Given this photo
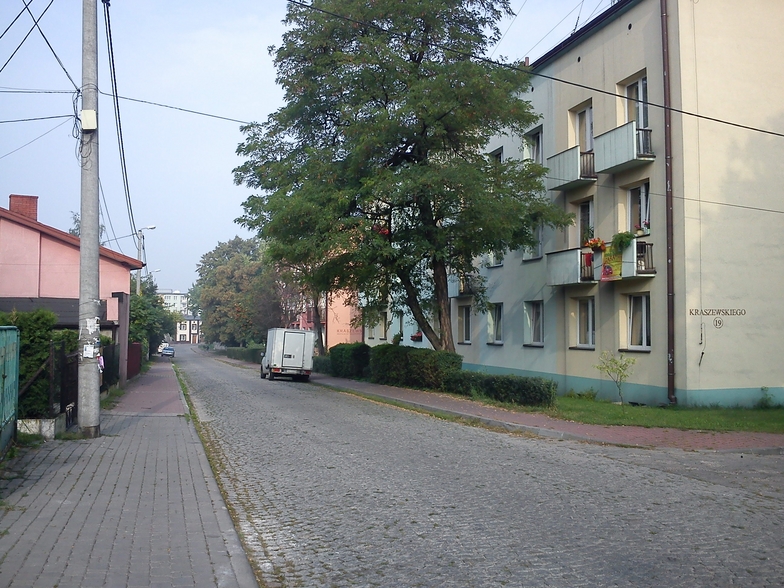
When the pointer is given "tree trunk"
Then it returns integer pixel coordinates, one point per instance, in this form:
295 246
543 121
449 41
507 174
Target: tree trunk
412 301
443 306
317 321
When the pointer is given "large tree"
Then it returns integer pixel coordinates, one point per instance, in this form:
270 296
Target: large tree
376 165
239 295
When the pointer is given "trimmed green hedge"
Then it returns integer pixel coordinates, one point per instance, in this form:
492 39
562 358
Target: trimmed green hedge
249 354
504 388
412 366
349 360
322 364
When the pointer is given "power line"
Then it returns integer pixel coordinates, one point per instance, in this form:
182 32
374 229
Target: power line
118 123
533 73
21 12
242 122
35 24
36 118
33 141
49 44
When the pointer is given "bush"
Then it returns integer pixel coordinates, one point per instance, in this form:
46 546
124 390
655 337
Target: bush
412 366
322 364
389 364
349 360
249 354
503 388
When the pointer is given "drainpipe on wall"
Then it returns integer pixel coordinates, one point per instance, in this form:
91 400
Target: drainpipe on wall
669 207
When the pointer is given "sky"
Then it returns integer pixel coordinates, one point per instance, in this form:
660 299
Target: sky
198 55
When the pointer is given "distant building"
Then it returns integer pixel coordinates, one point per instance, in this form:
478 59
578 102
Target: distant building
174 301
189 330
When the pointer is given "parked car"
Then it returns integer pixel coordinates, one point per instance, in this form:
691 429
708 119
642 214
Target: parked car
168 352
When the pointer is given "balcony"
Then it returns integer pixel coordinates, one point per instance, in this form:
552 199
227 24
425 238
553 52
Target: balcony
573 266
571 169
636 262
623 148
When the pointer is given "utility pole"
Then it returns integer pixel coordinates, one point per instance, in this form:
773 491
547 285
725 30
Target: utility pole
89 409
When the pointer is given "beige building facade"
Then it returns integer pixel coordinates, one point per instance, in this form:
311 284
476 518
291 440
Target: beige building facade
695 296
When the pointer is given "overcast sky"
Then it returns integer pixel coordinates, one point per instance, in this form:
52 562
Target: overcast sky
198 55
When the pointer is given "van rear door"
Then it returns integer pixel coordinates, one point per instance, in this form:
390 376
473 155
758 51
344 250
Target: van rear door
293 349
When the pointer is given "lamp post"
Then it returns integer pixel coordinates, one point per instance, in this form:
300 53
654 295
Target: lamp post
140 242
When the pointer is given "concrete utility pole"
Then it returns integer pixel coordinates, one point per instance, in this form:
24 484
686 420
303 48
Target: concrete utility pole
140 244
89 290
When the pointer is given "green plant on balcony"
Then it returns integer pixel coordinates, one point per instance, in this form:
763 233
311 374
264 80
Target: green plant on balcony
622 240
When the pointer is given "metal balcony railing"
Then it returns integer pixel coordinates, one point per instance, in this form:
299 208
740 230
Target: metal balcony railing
645 258
587 168
644 145
586 265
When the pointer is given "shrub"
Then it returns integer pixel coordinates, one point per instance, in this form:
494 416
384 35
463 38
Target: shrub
503 388
389 364
322 364
249 354
349 360
428 368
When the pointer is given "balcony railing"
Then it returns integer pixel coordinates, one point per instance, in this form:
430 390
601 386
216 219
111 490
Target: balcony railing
572 266
571 169
638 260
623 148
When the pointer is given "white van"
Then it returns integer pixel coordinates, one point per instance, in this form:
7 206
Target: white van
289 352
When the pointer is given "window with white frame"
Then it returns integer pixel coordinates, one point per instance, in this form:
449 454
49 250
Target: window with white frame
383 326
534 310
464 324
183 326
497 155
584 128
183 337
495 259
586 332
371 332
533 146
640 321
637 102
534 251
640 208
495 323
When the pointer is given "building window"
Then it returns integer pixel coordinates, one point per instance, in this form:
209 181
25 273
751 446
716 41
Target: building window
637 102
535 314
383 326
640 208
464 324
371 332
640 321
585 130
183 326
533 147
495 259
586 332
535 251
585 218
183 337
495 324
497 156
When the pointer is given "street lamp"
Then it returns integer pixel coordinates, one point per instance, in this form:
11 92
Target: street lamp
140 242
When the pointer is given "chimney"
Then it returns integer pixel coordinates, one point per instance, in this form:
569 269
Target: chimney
24 205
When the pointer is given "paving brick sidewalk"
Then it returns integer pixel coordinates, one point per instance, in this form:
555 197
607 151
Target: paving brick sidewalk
138 506
548 427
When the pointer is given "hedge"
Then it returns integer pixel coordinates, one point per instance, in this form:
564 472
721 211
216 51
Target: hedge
504 388
249 354
322 364
349 360
412 366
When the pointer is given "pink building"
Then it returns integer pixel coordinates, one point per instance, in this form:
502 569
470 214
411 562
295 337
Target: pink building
335 322
39 268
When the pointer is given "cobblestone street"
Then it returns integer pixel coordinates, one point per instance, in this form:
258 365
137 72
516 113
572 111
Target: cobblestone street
333 490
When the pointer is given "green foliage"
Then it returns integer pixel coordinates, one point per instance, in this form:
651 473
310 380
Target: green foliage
251 354
622 240
389 364
503 388
372 177
349 360
150 321
428 368
35 333
238 294
589 394
618 369
322 364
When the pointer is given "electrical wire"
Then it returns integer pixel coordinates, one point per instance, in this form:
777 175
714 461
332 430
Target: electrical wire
49 44
21 12
35 24
109 218
541 75
36 118
242 122
508 28
34 140
117 120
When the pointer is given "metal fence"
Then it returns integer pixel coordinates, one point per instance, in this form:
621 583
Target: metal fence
9 384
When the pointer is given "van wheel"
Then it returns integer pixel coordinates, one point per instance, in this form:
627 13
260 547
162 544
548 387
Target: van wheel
271 376
263 375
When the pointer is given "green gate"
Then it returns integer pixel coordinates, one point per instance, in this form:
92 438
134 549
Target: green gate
9 374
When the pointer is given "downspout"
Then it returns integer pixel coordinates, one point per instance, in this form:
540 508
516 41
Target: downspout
669 207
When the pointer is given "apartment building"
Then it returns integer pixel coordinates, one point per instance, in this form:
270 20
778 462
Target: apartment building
695 297
174 301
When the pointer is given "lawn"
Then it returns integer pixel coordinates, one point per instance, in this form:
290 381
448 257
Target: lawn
582 410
